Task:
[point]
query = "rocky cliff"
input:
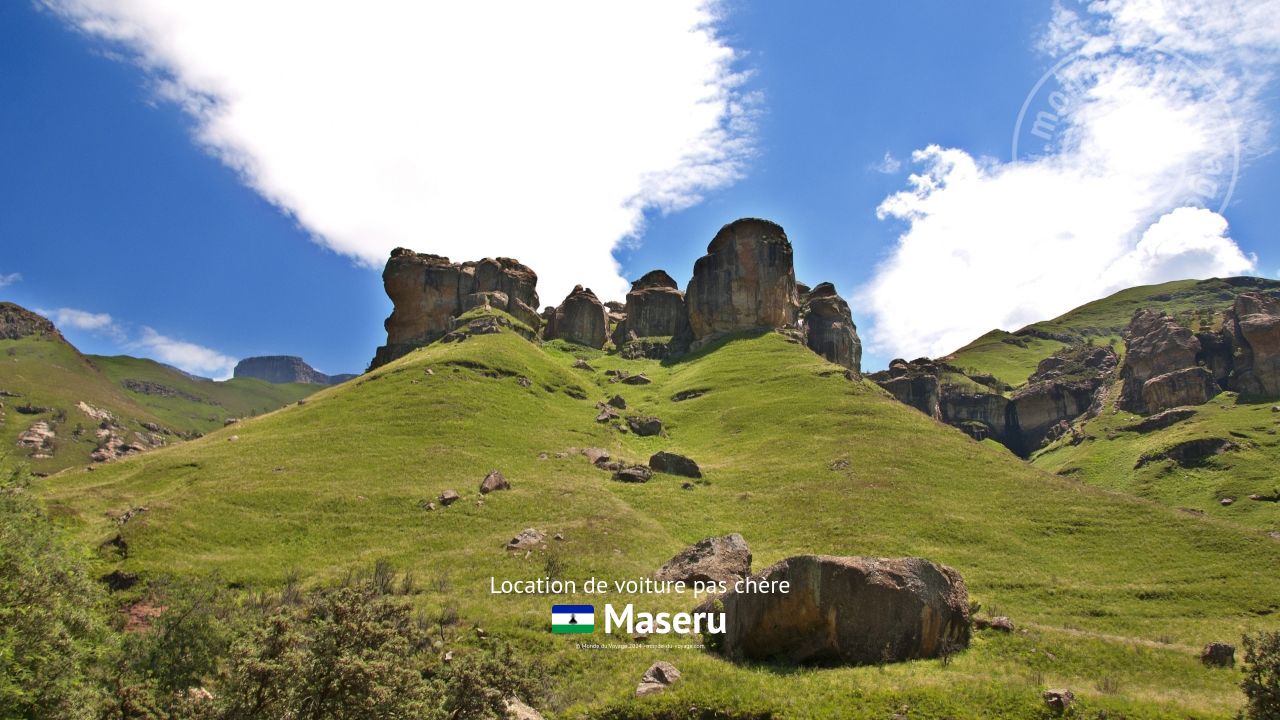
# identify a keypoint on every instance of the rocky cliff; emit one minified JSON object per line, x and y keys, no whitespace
{"x":828,"y":326}
{"x":17,"y":322}
{"x":428,"y":291}
{"x":282,"y":369}
{"x":654,"y":319}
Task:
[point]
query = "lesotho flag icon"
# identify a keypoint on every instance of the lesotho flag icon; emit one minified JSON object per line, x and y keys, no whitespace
{"x":573,"y":619}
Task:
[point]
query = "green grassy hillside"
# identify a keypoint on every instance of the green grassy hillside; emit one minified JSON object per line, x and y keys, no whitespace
{"x":49,"y":374}
{"x":1115,"y":594}
{"x":1011,"y":357}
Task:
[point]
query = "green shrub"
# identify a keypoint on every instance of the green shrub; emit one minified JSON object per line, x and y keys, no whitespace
{"x":1261,"y":683}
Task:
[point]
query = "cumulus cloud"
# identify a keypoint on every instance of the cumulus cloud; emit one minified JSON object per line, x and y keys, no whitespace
{"x":145,"y":341}
{"x":11,"y":278}
{"x":541,"y":131}
{"x":98,"y":323}
{"x":193,"y":358}
{"x":1125,"y":157}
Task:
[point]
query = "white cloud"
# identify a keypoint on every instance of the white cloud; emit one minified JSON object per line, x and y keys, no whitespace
{"x":540,"y":131}
{"x":889,"y":165}
{"x":1157,"y":101}
{"x":98,"y":323}
{"x":11,"y":278}
{"x":195,"y":359}
{"x":190,"y":357}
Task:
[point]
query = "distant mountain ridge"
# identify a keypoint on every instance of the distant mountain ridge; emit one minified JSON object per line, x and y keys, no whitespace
{"x":283,"y":369}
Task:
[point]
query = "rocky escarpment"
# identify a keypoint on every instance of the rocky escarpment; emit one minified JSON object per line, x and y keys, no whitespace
{"x":17,"y":322}
{"x":745,"y":281}
{"x":655,"y":309}
{"x":580,"y":319}
{"x":1255,"y":328}
{"x":828,"y":326}
{"x":282,"y":369}
{"x":1064,"y":386}
{"x":428,"y":291}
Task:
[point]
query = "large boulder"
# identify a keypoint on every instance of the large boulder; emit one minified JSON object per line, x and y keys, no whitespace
{"x":1155,"y":345}
{"x":724,"y":559}
{"x":1188,"y":386}
{"x":580,"y":319}
{"x":428,"y":291}
{"x":849,"y":610}
{"x":746,"y":280}
{"x":655,"y":309}
{"x":1256,"y":321}
{"x":660,"y":676}
{"x":829,"y":329}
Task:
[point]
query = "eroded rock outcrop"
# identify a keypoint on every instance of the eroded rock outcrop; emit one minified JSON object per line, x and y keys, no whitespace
{"x":429,"y":291}
{"x":1255,"y":321}
{"x":580,"y":319}
{"x":17,"y":322}
{"x":1064,"y":387}
{"x":849,"y":610}
{"x":1157,"y":349}
{"x":655,"y":309}
{"x":746,"y":280}
{"x":913,"y":383}
{"x":725,"y":559}
{"x":828,"y":326}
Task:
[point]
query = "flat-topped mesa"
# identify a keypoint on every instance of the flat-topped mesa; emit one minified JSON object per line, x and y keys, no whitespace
{"x":282,"y":369}
{"x":655,"y":308}
{"x":746,"y":280}
{"x":580,"y":319}
{"x":828,"y":326}
{"x":428,"y":291}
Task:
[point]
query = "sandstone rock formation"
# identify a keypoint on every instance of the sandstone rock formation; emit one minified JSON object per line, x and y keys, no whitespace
{"x":580,"y":319}
{"x":829,"y":329}
{"x":849,"y":610}
{"x":1255,"y":320}
{"x":1063,"y":388}
{"x":283,"y":369}
{"x":1156,"y":347}
{"x":428,"y":291}
{"x":726,"y":559}
{"x":655,"y":309}
{"x":746,"y":280}
{"x":915,"y":384}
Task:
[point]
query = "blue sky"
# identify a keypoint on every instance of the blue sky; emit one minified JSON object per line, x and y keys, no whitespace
{"x":208,"y":187}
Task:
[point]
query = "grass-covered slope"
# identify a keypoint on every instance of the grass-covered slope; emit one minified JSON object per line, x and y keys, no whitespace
{"x":45,"y":371}
{"x":1011,"y":357}
{"x":1115,"y":594}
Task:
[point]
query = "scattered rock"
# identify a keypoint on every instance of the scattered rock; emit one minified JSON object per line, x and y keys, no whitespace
{"x":1226,"y":501}
{"x":233,"y":438}
{"x":524,"y":382}
{"x":29,"y":409}
{"x":427,"y":505}
{"x":673,"y":464}
{"x":581,"y":364}
{"x":645,"y":426}
{"x":118,"y":580}
{"x":999,"y":623}
{"x":97,"y":413}
{"x":526,"y":539}
{"x":595,"y":455}
{"x":230,"y":421}
{"x":726,"y":559}
{"x":683,"y":485}
{"x":849,"y":610}
{"x":660,"y":676}
{"x":606,"y":414}
{"x":449,"y":497}
{"x":633,"y":474}
{"x":492,"y":482}
{"x":639,"y":379}
{"x":618,"y":402}
{"x":1058,"y":700}
{"x":37,"y":437}
{"x":687,"y":395}
{"x":1218,"y":654}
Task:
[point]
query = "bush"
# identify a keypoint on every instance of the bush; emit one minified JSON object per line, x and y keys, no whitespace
{"x":1261,"y":682}
{"x":51,"y":633}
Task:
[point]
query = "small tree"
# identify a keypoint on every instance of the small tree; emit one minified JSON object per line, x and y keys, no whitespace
{"x":1261,"y":682}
